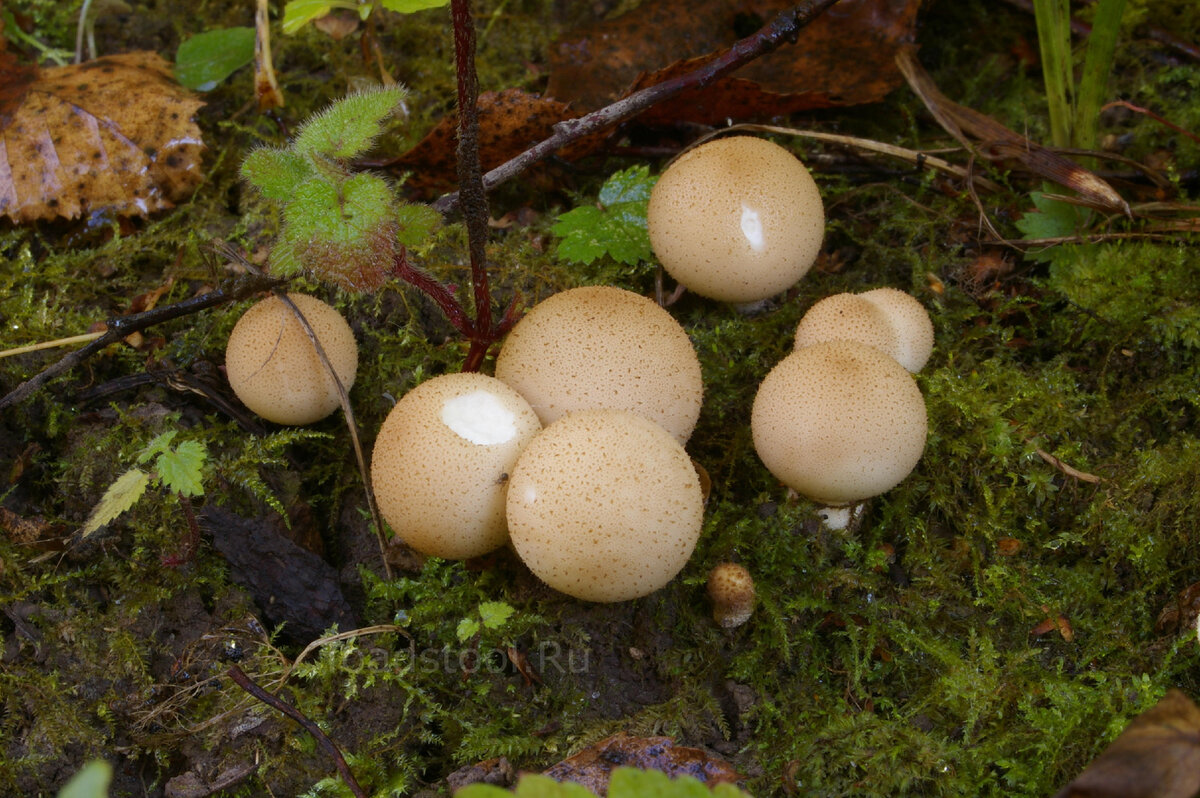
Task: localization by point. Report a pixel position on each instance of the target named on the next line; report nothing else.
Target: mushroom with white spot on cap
(442, 459)
(604, 505)
(604, 347)
(274, 368)
(737, 219)
(839, 422)
(889, 319)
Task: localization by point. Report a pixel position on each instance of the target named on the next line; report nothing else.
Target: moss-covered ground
(986, 629)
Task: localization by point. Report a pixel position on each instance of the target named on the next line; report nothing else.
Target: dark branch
(785, 28)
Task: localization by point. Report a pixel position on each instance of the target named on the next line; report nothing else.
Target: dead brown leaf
(845, 57)
(1157, 756)
(592, 766)
(111, 134)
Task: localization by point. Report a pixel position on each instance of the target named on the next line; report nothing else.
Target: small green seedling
(615, 226)
(492, 615)
(178, 469)
(626, 782)
(204, 60)
(298, 13)
(339, 225)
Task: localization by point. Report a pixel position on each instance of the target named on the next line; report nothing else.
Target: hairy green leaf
(347, 127)
(467, 628)
(181, 470)
(417, 224)
(529, 786)
(276, 173)
(298, 13)
(495, 613)
(208, 58)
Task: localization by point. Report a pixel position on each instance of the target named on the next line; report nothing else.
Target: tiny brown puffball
(731, 589)
(274, 368)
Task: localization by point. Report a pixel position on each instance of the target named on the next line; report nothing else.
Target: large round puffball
(274, 368)
(839, 422)
(442, 460)
(737, 219)
(604, 505)
(604, 347)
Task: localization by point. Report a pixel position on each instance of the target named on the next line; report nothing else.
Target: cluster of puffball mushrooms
(573, 453)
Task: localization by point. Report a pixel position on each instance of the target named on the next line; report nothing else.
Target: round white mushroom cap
(910, 320)
(604, 347)
(839, 422)
(737, 219)
(847, 317)
(604, 505)
(441, 463)
(274, 368)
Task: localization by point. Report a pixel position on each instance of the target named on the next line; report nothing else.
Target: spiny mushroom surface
(441, 463)
(274, 368)
(604, 505)
(737, 219)
(839, 422)
(604, 347)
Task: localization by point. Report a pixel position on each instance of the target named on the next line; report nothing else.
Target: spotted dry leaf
(114, 134)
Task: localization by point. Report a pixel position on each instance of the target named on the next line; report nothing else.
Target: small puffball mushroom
(847, 317)
(604, 505)
(910, 320)
(737, 219)
(274, 368)
(442, 459)
(888, 319)
(839, 422)
(604, 347)
(731, 589)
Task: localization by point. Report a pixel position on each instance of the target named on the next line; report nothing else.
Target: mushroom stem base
(838, 518)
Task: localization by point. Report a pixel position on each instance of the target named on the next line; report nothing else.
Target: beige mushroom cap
(910, 320)
(737, 219)
(731, 589)
(839, 422)
(604, 347)
(274, 368)
(847, 317)
(442, 459)
(604, 505)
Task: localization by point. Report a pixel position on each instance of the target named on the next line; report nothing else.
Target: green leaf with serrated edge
(208, 58)
(276, 173)
(298, 13)
(495, 613)
(467, 628)
(91, 781)
(628, 782)
(417, 224)
(409, 6)
(160, 444)
(616, 229)
(347, 127)
(181, 470)
(120, 496)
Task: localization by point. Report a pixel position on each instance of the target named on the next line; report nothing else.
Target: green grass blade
(1054, 40)
(1097, 66)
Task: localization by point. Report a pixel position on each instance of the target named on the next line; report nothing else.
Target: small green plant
(615, 226)
(177, 468)
(298, 13)
(91, 781)
(204, 60)
(492, 615)
(1075, 107)
(625, 782)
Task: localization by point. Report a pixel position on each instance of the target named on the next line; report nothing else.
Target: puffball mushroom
(604, 347)
(888, 319)
(731, 589)
(274, 368)
(839, 422)
(442, 459)
(737, 219)
(604, 505)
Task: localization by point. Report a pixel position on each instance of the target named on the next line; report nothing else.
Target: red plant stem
(783, 29)
(470, 177)
(442, 296)
(248, 684)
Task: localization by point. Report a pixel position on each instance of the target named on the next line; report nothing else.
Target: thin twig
(351, 425)
(247, 684)
(120, 327)
(785, 28)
